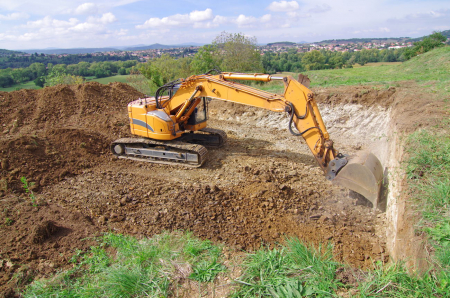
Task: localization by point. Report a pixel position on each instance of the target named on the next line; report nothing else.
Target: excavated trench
(260, 188)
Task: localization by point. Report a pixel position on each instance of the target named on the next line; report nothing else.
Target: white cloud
(86, 8)
(243, 21)
(179, 20)
(199, 16)
(283, 6)
(320, 8)
(107, 18)
(376, 30)
(85, 27)
(293, 14)
(220, 20)
(122, 32)
(49, 22)
(429, 15)
(266, 18)
(14, 16)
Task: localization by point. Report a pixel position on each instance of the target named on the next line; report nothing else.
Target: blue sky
(26, 24)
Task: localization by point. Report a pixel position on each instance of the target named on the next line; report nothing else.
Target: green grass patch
(431, 70)
(123, 266)
(376, 64)
(107, 80)
(27, 85)
(31, 85)
(428, 173)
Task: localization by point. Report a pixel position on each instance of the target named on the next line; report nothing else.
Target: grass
(107, 80)
(431, 67)
(123, 266)
(31, 85)
(429, 70)
(428, 173)
(27, 85)
(377, 64)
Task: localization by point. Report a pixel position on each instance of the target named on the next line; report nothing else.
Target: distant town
(278, 47)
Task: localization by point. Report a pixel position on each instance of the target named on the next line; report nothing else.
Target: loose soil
(260, 188)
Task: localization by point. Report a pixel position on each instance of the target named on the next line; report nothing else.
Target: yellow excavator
(172, 126)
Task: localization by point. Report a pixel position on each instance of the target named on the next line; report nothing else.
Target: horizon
(126, 23)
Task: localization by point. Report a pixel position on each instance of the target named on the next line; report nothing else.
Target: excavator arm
(362, 174)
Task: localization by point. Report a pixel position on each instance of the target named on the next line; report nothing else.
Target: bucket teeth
(363, 174)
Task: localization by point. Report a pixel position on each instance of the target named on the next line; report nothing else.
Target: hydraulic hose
(299, 117)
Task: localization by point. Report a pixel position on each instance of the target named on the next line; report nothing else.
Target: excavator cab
(200, 113)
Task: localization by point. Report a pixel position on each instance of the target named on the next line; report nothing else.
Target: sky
(30, 24)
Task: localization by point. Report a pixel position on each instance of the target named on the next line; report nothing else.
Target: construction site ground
(261, 187)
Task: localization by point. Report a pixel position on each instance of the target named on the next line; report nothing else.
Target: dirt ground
(260, 188)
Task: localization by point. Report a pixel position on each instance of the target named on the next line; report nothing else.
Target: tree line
(13, 60)
(43, 74)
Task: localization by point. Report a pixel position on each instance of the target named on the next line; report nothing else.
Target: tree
(205, 59)
(313, 60)
(6, 80)
(430, 42)
(59, 75)
(39, 82)
(38, 69)
(238, 52)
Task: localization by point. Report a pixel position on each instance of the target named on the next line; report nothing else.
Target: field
(261, 215)
(31, 85)
(27, 85)
(117, 78)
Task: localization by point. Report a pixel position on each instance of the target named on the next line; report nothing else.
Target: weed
(206, 271)
(8, 221)
(82, 145)
(292, 289)
(30, 193)
(364, 91)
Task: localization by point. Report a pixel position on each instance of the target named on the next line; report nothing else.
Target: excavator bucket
(363, 174)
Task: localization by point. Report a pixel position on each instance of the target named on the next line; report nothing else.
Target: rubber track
(219, 132)
(171, 145)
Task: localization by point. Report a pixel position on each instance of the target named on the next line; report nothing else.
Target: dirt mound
(366, 96)
(37, 241)
(91, 106)
(55, 132)
(43, 231)
(56, 154)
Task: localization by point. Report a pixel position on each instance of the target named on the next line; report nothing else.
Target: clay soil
(260, 188)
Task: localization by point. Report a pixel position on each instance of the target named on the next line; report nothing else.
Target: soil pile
(52, 133)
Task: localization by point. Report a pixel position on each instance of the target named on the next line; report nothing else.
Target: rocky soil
(260, 188)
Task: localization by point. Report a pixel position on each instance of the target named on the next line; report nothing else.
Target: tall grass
(136, 268)
(430, 70)
(428, 173)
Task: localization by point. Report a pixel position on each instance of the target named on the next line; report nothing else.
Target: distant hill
(69, 51)
(363, 40)
(281, 44)
(8, 52)
(155, 46)
(109, 49)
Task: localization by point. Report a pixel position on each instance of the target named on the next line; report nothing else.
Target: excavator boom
(172, 115)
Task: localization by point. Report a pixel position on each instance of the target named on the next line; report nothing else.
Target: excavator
(171, 127)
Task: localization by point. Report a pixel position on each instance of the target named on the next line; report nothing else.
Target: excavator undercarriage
(190, 151)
